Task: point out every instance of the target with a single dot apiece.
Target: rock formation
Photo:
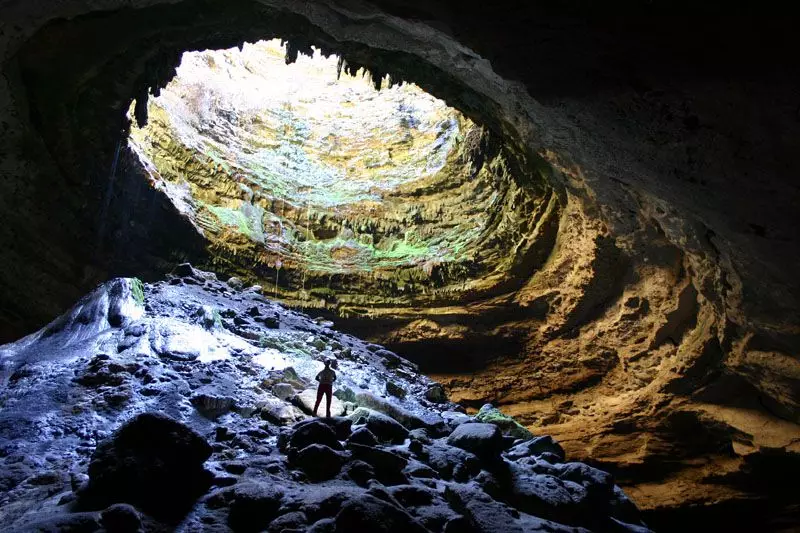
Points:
(135, 412)
(641, 305)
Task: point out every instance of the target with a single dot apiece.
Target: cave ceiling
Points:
(628, 280)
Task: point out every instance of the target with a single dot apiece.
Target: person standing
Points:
(326, 377)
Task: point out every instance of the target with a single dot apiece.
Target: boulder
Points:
(542, 495)
(345, 394)
(306, 400)
(319, 462)
(121, 518)
(360, 472)
(388, 466)
(483, 440)
(436, 394)
(370, 401)
(235, 283)
(369, 513)
(253, 505)
(410, 420)
(279, 412)
(271, 320)
(152, 462)
(282, 390)
(293, 521)
(395, 390)
(454, 419)
(491, 415)
(483, 514)
(560, 500)
(290, 376)
(415, 469)
(186, 270)
(536, 447)
(599, 485)
(313, 432)
(363, 436)
(211, 406)
(385, 428)
(341, 425)
(451, 462)
(412, 495)
(420, 435)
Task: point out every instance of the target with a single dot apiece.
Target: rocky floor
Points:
(184, 405)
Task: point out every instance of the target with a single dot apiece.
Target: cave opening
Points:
(351, 193)
(320, 173)
(612, 298)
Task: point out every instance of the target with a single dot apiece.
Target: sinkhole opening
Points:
(332, 187)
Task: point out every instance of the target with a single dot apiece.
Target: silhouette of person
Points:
(326, 377)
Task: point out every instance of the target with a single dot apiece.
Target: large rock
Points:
(599, 485)
(388, 466)
(152, 462)
(450, 462)
(385, 428)
(484, 440)
(235, 283)
(483, 514)
(283, 390)
(491, 415)
(319, 462)
(293, 521)
(369, 513)
(211, 406)
(121, 518)
(360, 472)
(313, 432)
(253, 505)
(547, 496)
(363, 436)
(404, 416)
(536, 447)
(306, 400)
(435, 393)
(395, 390)
(280, 412)
(454, 419)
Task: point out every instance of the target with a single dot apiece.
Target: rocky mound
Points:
(183, 405)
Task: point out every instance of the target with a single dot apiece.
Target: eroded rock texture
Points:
(656, 334)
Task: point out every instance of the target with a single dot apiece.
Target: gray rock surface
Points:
(138, 417)
(484, 440)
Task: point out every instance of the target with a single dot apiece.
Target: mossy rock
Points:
(137, 290)
(491, 415)
(345, 394)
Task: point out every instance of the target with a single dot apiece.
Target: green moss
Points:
(323, 292)
(492, 415)
(137, 290)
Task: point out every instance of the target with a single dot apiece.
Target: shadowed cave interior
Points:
(591, 228)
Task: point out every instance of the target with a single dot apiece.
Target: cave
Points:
(584, 216)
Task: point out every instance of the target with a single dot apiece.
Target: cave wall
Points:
(659, 337)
